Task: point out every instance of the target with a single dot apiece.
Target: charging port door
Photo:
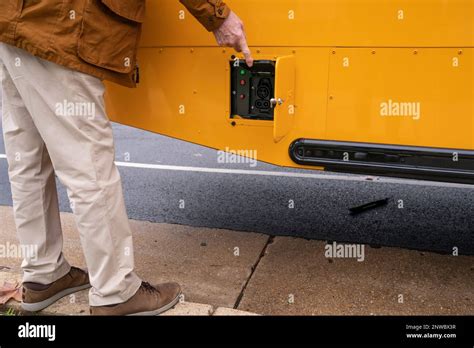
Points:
(284, 101)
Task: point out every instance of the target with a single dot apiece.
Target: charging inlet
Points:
(252, 89)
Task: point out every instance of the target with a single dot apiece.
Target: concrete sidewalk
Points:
(236, 273)
(212, 266)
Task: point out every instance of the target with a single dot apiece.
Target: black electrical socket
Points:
(252, 89)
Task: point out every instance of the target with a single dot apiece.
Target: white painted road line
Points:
(355, 178)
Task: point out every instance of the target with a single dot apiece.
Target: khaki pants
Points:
(54, 122)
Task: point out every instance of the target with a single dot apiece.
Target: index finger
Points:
(246, 51)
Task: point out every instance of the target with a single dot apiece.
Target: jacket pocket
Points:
(110, 34)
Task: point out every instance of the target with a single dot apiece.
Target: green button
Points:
(243, 72)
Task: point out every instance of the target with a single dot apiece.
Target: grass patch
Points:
(8, 312)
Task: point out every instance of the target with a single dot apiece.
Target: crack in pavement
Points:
(254, 268)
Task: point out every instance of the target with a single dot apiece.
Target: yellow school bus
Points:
(382, 87)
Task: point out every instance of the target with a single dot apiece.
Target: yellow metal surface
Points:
(383, 23)
(388, 71)
(371, 79)
(284, 97)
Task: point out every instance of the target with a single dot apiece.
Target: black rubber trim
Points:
(424, 163)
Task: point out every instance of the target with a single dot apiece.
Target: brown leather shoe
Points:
(37, 296)
(148, 300)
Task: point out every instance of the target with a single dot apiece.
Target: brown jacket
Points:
(97, 37)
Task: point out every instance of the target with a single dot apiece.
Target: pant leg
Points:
(33, 185)
(68, 110)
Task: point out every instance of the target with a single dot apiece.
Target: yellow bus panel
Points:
(380, 87)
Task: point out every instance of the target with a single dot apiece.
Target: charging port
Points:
(252, 89)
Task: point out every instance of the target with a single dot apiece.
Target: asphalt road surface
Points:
(162, 184)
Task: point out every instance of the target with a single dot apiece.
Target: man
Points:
(55, 53)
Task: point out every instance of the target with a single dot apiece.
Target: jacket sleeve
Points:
(211, 13)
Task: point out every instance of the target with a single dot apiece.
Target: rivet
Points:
(192, 50)
(415, 52)
(460, 52)
(233, 123)
(333, 52)
(373, 52)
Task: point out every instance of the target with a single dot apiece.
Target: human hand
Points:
(232, 34)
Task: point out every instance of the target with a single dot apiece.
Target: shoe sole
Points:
(159, 310)
(38, 306)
